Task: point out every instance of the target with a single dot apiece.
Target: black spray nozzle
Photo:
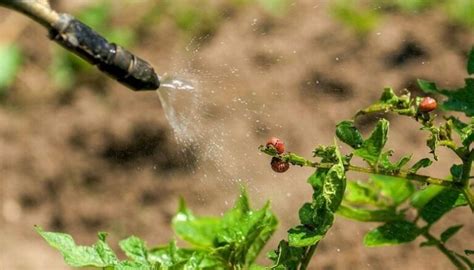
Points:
(110, 58)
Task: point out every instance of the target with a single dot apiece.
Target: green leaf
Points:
(366, 215)
(456, 172)
(396, 189)
(200, 231)
(439, 205)
(349, 134)
(429, 243)
(99, 255)
(302, 236)
(427, 86)
(422, 197)
(386, 165)
(470, 62)
(238, 236)
(450, 232)
(334, 186)
(286, 257)
(461, 99)
(135, 249)
(422, 163)
(465, 131)
(306, 214)
(10, 61)
(468, 252)
(359, 193)
(372, 147)
(461, 201)
(392, 233)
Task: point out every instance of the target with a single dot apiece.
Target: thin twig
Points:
(308, 256)
(441, 247)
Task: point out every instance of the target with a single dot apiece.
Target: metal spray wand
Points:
(80, 39)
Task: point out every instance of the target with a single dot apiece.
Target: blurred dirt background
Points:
(80, 153)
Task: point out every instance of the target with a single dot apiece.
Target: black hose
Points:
(110, 58)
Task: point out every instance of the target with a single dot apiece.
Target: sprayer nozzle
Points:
(110, 58)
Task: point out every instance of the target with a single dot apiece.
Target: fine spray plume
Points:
(77, 37)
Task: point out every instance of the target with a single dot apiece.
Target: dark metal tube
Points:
(110, 58)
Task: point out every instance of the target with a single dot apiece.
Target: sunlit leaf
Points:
(366, 215)
(397, 189)
(422, 197)
(10, 61)
(349, 134)
(372, 147)
(98, 255)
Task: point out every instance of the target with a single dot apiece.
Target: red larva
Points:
(427, 104)
(279, 165)
(278, 144)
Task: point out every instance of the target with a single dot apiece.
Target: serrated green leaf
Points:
(396, 189)
(79, 256)
(366, 215)
(392, 233)
(349, 134)
(450, 232)
(386, 165)
(237, 237)
(422, 163)
(10, 62)
(135, 249)
(439, 205)
(422, 197)
(372, 147)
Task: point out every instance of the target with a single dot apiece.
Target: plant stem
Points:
(405, 174)
(300, 161)
(308, 256)
(465, 179)
(441, 247)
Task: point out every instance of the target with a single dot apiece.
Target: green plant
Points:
(10, 63)
(406, 203)
(230, 242)
(365, 16)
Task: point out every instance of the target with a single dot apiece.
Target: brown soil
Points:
(102, 158)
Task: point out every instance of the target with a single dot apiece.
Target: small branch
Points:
(300, 161)
(308, 256)
(465, 179)
(441, 247)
